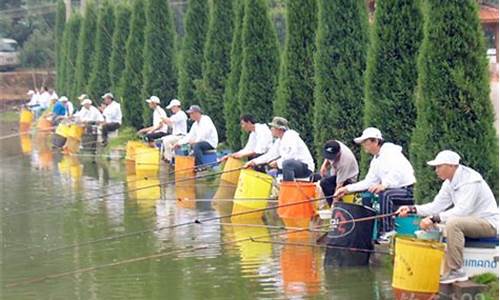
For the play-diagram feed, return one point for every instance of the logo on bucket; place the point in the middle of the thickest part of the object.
(341, 223)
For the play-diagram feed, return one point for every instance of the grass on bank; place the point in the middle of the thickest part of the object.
(125, 134)
(491, 280)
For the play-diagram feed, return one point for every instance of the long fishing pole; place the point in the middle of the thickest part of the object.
(312, 245)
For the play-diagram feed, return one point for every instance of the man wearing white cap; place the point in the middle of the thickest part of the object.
(112, 114)
(159, 128)
(474, 211)
(88, 114)
(34, 103)
(59, 110)
(178, 122)
(390, 175)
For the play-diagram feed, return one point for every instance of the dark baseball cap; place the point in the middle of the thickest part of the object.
(331, 149)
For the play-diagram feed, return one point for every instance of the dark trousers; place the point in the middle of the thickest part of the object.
(390, 200)
(151, 137)
(107, 128)
(198, 150)
(329, 185)
(258, 168)
(294, 169)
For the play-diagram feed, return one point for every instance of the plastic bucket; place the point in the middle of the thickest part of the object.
(76, 132)
(147, 189)
(26, 116)
(231, 164)
(44, 124)
(252, 254)
(130, 149)
(184, 166)
(26, 145)
(72, 145)
(209, 158)
(406, 226)
(147, 158)
(253, 185)
(63, 130)
(58, 140)
(300, 271)
(297, 223)
(292, 192)
(417, 265)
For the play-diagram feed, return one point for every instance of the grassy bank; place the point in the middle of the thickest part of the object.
(125, 134)
(491, 280)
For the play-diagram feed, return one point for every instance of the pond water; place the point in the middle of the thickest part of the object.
(54, 208)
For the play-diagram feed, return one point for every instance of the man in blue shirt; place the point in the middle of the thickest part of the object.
(59, 110)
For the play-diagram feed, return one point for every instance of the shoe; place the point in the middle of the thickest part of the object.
(454, 276)
(386, 238)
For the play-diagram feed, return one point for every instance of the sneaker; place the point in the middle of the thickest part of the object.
(386, 238)
(454, 276)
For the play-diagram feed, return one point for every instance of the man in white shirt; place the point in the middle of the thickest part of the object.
(88, 114)
(112, 114)
(343, 167)
(202, 136)
(159, 128)
(259, 140)
(288, 152)
(34, 103)
(390, 175)
(45, 97)
(465, 204)
(178, 122)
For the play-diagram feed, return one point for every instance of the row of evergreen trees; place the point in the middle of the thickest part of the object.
(418, 72)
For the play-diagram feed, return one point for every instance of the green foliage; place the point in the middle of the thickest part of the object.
(86, 48)
(231, 103)
(69, 51)
(296, 83)
(38, 51)
(491, 280)
(59, 31)
(131, 82)
(100, 80)
(217, 62)
(391, 72)
(340, 61)
(159, 72)
(454, 109)
(120, 35)
(260, 62)
(196, 25)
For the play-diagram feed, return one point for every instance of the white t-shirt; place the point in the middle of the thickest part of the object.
(89, 115)
(203, 130)
(113, 113)
(179, 123)
(259, 140)
(158, 116)
(44, 99)
(70, 109)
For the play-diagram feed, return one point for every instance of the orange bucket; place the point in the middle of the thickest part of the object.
(44, 124)
(185, 194)
(300, 271)
(184, 166)
(292, 192)
(297, 223)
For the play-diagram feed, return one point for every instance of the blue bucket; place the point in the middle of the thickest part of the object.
(406, 226)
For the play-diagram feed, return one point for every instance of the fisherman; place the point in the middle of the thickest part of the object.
(259, 140)
(45, 98)
(178, 122)
(474, 211)
(112, 116)
(202, 136)
(88, 114)
(59, 110)
(34, 103)
(288, 153)
(390, 175)
(338, 169)
(159, 128)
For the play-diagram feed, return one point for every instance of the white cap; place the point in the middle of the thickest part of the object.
(173, 102)
(63, 99)
(86, 101)
(445, 157)
(107, 95)
(369, 133)
(82, 97)
(30, 92)
(153, 99)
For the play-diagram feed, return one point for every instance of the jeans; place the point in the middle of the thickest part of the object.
(198, 150)
(151, 137)
(107, 128)
(294, 169)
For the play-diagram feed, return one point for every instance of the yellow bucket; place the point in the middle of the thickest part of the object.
(63, 130)
(147, 189)
(231, 164)
(131, 148)
(417, 265)
(26, 146)
(349, 198)
(253, 185)
(26, 116)
(147, 158)
(75, 132)
(64, 165)
(252, 254)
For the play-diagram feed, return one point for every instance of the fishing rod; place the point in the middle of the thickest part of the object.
(312, 245)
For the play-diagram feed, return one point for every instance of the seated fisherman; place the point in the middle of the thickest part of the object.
(288, 152)
(343, 167)
(59, 110)
(88, 114)
(159, 128)
(112, 113)
(259, 140)
(474, 211)
(202, 136)
(390, 175)
(178, 122)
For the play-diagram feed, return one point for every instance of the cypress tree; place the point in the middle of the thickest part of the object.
(159, 71)
(100, 79)
(296, 83)
(120, 35)
(260, 63)
(339, 71)
(59, 31)
(86, 47)
(131, 82)
(217, 62)
(391, 72)
(70, 49)
(454, 109)
(231, 103)
(196, 24)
